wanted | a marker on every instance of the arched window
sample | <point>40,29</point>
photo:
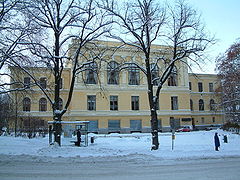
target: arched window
<point>133,75</point>
<point>201,105</point>
<point>43,82</point>
<point>26,82</point>
<point>60,104</point>
<point>91,73</point>
<point>172,80</point>
<point>191,104</point>
<point>42,104</point>
<point>155,73</point>
<point>26,104</point>
<point>113,72</point>
<point>212,105</point>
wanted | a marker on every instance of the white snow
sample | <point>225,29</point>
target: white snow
<point>187,145</point>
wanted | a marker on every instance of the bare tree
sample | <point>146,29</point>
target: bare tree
<point>143,22</point>
<point>228,66</point>
<point>62,22</point>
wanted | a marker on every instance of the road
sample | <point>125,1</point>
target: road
<point>135,167</point>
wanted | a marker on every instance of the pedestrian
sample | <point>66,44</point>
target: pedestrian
<point>216,141</point>
<point>78,137</point>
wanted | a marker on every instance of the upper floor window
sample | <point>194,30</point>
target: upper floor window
<point>191,104</point>
<point>43,82</point>
<point>172,80</point>
<point>155,73</point>
<point>133,75</point>
<point>42,104</point>
<point>61,83</point>
<point>60,104</point>
<point>26,82</point>
<point>201,105</point>
<point>190,86</point>
<point>91,103</point>
<point>212,104</point>
<point>91,73</point>
<point>210,87</point>
<point>113,73</point>
<point>200,87</point>
<point>135,102</point>
<point>26,104</point>
<point>174,103</point>
<point>114,103</point>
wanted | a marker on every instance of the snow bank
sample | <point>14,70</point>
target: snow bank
<point>193,145</point>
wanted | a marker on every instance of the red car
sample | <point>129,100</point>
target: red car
<point>184,129</point>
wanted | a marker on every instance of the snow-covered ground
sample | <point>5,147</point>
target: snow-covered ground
<point>193,145</point>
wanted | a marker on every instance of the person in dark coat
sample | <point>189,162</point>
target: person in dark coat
<point>216,141</point>
<point>78,137</point>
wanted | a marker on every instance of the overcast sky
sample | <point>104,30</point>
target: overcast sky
<point>222,18</point>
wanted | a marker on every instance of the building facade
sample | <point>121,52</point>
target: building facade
<point>117,101</point>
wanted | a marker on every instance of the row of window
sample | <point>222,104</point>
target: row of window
<point>91,103</point>
<point>113,70</point>
<point>42,82</point>
<point>200,87</point>
<point>201,105</point>
<point>42,104</point>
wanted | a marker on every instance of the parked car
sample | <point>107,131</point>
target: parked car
<point>184,129</point>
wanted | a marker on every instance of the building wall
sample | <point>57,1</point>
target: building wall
<point>184,115</point>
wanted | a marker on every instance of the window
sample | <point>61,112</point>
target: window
<point>155,73</point>
<point>113,103</point>
<point>190,86</point>
<point>174,103</point>
<point>172,80</point>
<point>113,73</point>
<point>201,105</point>
<point>26,104</point>
<point>213,119</point>
<point>200,87</point>
<point>113,125</point>
<point>42,104</point>
<point>91,103</point>
<point>210,87</point>
<point>212,105</point>
<point>136,125</point>
<point>135,102</point>
<point>191,104</point>
<point>133,75</point>
<point>91,74</point>
<point>26,82</point>
<point>157,105</point>
<point>43,83</point>
<point>60,104</point>
<point>61,83</point>
<point>203,120</point>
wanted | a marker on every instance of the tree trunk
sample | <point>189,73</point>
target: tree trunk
<point>57,129</point>
<point>154,130</point>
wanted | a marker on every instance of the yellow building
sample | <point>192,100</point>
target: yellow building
<point>117,101</point>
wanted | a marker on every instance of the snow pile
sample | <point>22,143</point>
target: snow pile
<point>193,145</point>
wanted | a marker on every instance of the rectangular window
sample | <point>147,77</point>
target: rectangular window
<point>113,103</point>
<point>113,125</point>
<point>27,82</point>
<point>43,83</point>
<point>202,120</point>
<point>135,102</point>
<point>61,83</point>
<point>91,103</point>
<point>190,86</point>
<point>174,103</point>
<point>213,119</point>
<point>134,76</point>
<point>200,87</point>
<point>210,87</point>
